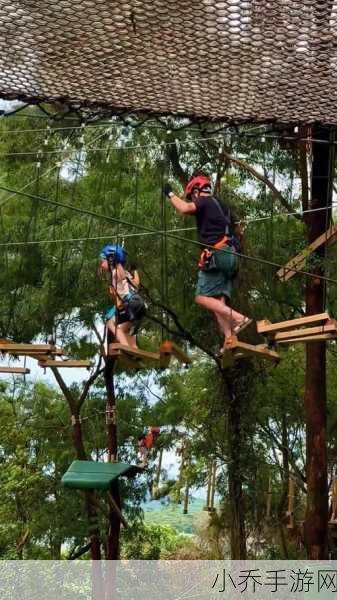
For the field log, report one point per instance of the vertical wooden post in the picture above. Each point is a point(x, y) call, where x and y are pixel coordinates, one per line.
point(316, 522)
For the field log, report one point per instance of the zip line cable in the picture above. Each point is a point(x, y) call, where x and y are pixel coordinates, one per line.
point(32, 182)
point(153, 232)
point(161, 143)
point(118, 222)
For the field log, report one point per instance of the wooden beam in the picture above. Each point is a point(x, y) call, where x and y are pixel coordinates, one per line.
point(298, 262)
point(330, 327)
point(268, 327)
point(27, 349)
point(134, 358)
point(60, 364)
point(172, 349)
point(261, 350)
point(15, 370)
point(324, 337)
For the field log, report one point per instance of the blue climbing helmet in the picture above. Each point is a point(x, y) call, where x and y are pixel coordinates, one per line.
point(114, 252)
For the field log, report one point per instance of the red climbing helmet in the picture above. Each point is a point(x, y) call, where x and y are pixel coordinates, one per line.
point(199, 180)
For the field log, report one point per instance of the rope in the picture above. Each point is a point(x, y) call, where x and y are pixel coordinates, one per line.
point(155, 232)
point(127, 235)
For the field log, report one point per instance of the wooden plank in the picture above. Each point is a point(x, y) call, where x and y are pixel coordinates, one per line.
point(260, 350)
point(65, 363)
point(298, 262)
point(26, 349)
point(330, 327)
point(15, 370)
point(324, 337)
point(173, 349)
point(267, 327)
point(134, 352)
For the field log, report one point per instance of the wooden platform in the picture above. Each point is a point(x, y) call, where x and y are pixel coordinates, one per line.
point(299, 261)
point(15, 370)
point(134, 358)
point(235, 349)
point(8, 347)
point(295, 331)
point(62, 364)
point(266, 327)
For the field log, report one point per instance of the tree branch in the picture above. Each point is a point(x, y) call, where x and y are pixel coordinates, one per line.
point(246, 167)
point(65, 390)
point(173, 156)
point(280, 446)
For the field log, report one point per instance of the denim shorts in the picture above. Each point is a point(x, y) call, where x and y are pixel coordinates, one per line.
point(219, 280)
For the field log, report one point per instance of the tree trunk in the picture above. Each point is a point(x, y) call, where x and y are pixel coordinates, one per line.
point(158, 470)
point(77, 435)
point(237, 525)
point(186, 498)
point(316, 523)
point(212, 495)
point(112, 550)
point(209, 485)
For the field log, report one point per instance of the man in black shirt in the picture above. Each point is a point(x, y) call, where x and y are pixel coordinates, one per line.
point(218, 260)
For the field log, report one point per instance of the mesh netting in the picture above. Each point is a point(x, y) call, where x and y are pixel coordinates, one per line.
point(254, 60)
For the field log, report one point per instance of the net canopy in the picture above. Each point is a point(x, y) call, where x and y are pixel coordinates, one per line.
point(227, 60)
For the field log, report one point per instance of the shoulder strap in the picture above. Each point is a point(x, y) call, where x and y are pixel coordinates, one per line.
point(222, 211)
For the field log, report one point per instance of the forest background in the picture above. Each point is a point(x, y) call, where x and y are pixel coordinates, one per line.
point(103, 182)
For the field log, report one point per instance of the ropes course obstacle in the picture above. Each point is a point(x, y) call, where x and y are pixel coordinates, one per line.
point(45, 354)
point(133, 358)
point(313, 328)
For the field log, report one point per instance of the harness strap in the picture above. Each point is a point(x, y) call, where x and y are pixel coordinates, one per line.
point(207, 252)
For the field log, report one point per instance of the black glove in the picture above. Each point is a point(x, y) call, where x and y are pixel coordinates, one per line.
point(167, 190)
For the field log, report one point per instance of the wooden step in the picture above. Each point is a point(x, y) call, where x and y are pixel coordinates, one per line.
point(325, 337)
point(15, 370)
point(62, 364)
point(29, 349)
point(266, 327)
point(134, 358)
point(261, 350)
point(329, 327)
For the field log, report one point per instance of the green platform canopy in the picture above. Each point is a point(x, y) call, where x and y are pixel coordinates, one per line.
point(90, 475)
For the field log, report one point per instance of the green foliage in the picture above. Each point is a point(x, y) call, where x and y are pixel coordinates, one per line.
point(150, 542)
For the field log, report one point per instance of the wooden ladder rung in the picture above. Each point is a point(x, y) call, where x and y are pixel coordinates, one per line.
point(267, 327)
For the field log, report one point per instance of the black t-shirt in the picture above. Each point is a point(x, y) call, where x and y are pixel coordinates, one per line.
point(213, 221)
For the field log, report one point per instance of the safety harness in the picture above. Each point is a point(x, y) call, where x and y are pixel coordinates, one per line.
point(207, 258)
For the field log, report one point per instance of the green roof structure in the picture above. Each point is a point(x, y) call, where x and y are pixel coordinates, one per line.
point(90, 475)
